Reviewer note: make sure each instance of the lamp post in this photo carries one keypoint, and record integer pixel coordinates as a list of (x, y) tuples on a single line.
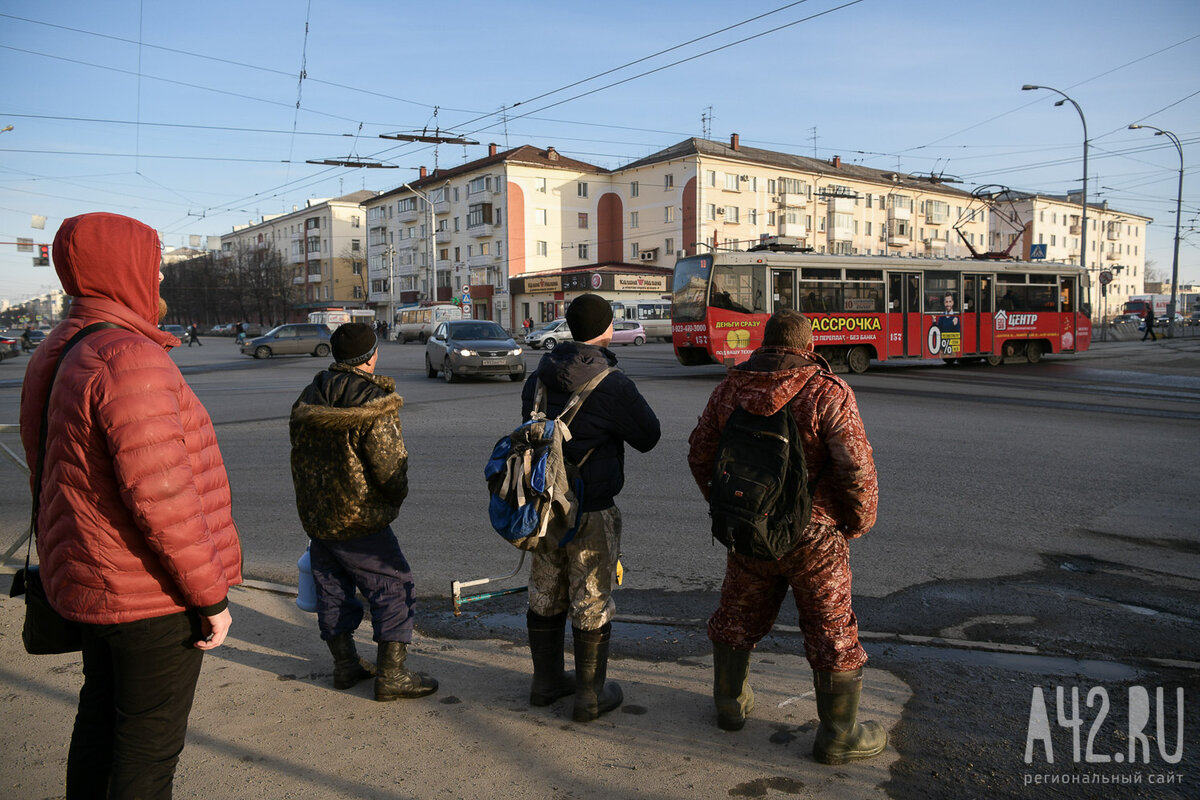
[(390, 252), (1083, 198), (1178, 214), (429, 243)]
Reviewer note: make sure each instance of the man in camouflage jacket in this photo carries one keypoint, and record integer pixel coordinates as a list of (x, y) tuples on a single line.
[(350, 471), (786, 372)]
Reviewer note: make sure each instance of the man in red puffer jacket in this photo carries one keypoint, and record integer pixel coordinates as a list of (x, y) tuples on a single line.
[(135, 530)]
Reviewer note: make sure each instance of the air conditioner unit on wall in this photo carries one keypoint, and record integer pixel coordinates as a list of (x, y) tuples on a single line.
[(648, 255)]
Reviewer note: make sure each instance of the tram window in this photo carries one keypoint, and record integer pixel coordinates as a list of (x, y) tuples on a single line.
[(939, 286), (864, 274), (841, 296), (1066, 295), (812, 273), (737, 288)]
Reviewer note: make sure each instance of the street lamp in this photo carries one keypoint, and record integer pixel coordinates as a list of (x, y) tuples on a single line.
[(390, 252), (429, 243), (1083, 199), (1178, 214)]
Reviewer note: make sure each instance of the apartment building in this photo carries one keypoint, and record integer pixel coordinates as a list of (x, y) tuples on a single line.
[(1116, 242), (717, 194), (324, 244), (496, 223)]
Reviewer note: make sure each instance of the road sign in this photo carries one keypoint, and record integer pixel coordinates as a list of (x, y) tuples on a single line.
[(1105, 277), (1037, 252)]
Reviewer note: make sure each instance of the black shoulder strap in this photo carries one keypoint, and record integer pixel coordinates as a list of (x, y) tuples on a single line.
[(41, 455)]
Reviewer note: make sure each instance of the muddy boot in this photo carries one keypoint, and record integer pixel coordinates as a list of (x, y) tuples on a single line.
[(840, 737), (393, 681), (731, 686), (348, 668), (550, 680), (593, 696)]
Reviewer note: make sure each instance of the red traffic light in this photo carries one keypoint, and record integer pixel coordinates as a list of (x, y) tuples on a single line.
[(42, 259)]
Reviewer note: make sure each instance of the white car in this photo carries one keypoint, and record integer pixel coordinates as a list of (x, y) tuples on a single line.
[(550, 335)]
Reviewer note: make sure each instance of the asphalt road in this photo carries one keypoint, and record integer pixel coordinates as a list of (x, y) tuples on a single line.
[(1037, 528)]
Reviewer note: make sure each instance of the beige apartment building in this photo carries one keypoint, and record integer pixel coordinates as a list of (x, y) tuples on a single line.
[(1116, 242), (323, 242)]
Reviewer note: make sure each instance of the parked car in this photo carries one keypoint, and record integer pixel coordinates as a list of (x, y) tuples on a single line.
[(31, 340), (10, 346), (1161, 322), (1194, 319), (550, 335), (225, 329), (472, 347), (625, 332), (294, 339), (178, 331)]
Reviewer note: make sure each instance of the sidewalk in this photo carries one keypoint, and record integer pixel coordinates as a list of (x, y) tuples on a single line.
[(268, 724)]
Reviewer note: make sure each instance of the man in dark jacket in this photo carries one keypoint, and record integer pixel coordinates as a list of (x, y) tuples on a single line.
[(786, 372), (350, 470), (579, 578), (1148, 319)]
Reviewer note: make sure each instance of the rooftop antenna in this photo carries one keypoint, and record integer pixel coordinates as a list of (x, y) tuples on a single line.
[(813, 131), (706, 118)]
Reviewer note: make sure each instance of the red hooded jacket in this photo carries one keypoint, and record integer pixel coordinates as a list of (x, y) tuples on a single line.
[(135, 519)]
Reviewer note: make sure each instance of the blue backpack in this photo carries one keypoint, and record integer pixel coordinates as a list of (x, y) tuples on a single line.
[(535, 493)]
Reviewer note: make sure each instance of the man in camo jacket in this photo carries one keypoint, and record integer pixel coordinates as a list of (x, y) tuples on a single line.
[(786, 372), (350, 470)]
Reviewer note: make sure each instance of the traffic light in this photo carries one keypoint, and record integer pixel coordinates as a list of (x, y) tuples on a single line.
[(42, 259)]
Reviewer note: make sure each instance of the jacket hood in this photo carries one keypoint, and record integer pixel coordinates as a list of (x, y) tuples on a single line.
[(572, 364), (112, 257), (344, 398), (772, 376)]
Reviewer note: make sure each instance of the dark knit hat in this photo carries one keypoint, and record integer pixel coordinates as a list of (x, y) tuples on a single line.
[(353, 343), (588, 316)]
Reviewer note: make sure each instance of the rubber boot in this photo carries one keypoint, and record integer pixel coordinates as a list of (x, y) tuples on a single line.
[(593, 695), (731, 686), (550, 680), (840, 737), (393, 681), (348, 668)]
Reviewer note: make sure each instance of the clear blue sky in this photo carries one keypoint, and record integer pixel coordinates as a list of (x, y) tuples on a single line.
[(185, 115)]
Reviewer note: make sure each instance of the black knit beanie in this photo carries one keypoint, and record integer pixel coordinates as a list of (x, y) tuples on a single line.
[(353, 343), (588, 316)]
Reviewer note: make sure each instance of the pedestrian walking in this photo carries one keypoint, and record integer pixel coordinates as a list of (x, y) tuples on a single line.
[(785, 372), (194, 335), (1148, 318), (138, 543), (578, 579), (350, 470)]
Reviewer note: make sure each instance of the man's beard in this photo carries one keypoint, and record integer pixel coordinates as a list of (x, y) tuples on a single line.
[(162, 309)]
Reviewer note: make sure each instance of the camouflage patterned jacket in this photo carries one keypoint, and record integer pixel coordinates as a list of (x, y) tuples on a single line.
[(836, 449), (349, 465)]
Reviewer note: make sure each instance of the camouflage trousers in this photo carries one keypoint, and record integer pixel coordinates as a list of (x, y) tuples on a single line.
[(581, 576), (818, 572)]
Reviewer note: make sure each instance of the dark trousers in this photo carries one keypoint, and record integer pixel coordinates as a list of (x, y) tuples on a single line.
[(138, 682), (1149, 332), (374, 565)]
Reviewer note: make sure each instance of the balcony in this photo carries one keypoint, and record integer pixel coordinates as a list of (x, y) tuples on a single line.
[(1074, 230), (1112, 256), (796, 229), (441, 207), (1114, 233), (481, 196), (899, 240), (792, 200), (408, 216), (443, 237), (408, 244), (480, 231), (477, 261), (899, 212)]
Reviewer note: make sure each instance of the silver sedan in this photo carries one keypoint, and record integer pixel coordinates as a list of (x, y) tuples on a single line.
[(472, 347)]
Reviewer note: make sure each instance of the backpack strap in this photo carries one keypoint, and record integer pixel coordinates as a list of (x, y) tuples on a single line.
[(581, 394)]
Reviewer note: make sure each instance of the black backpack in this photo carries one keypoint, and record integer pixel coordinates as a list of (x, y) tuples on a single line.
[(760, 501)]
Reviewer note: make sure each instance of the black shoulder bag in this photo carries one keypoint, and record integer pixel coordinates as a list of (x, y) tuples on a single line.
[(46, 632)]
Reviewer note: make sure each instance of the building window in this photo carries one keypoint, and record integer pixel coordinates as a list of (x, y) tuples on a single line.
[(752, 216), (539, 216), (539, 185), (633, 189), (541, 248), (312, 224), (356, 267), (633, 219), (479, 214), (731, 182), (355, 221), (668, 213), (633, 251), (669, 247), (581, 189), (668, 182), (711, 178), (356, 244), (710, 211), (358, 293), (583, 220), (583, 251), (770, 217), (731, 213)]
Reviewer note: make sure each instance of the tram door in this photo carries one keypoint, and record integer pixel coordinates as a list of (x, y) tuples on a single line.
[(783, 290), (977, 313), (904, 314)]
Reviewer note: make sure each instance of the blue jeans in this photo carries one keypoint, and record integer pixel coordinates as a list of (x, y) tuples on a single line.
[(138, 682), (374, 565)]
